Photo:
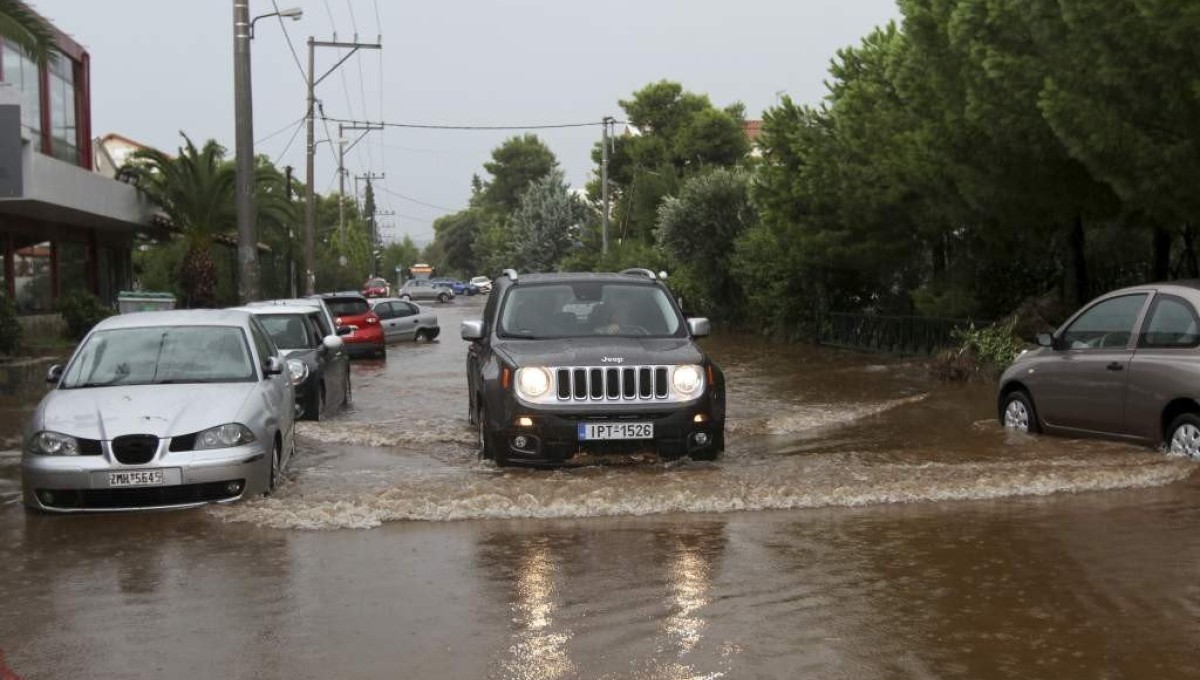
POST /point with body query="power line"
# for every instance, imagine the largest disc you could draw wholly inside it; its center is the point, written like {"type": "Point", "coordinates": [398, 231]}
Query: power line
{"type": "Point", "coordinates": [288, 37]}
{"type": "Point", "coordinates": [280, 131]}
{"type": "Point", "coordinates": [295, 134]}
{"type": "Point", "coordinates": [418, 201]}
{"type": "Point", "coordinates": [430, 126]}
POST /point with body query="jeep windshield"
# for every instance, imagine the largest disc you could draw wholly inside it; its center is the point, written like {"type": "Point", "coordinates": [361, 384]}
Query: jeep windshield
{"type": "Point", "coordinates": [589, 309]}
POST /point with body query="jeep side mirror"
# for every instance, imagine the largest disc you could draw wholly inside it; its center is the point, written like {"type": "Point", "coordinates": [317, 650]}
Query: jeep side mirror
{"type": "Point", "coordinates": [273, 366]}
{"type": "Point", "coordinates": [473, 330]}
{"type": "Point", "coordinates": [699, 327]}
{"type": "Point", "coordinates": [1045, 340]}
{"type": "Point", "coordinates": [54, 375]}
{"type": "Point", "coordinates": [332, 343]}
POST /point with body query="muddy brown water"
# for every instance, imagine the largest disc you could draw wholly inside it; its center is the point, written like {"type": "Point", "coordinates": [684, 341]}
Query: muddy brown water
{"type": "Point", "coordinates": [865, 522]}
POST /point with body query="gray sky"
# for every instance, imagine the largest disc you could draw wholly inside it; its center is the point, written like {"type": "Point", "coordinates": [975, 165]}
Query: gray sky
{"type": "Point", "coordinates": [162, 66]}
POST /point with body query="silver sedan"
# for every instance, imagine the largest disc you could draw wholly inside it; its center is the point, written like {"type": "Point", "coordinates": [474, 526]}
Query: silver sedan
{"type": "Point", "coordinates": [161, 410]}
{"type": "Point", "coordinates": [404, 320]}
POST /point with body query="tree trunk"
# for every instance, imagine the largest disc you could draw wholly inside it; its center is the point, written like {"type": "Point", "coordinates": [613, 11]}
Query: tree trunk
{"type": "Point", "coordinates": [198, 274]}
{"type": "Point", "coordinates": [1192, 267]}
{"type": "Point", "coordinates": [1075, 288]}
{"type": "Point", "coordinates": [1162, 253]}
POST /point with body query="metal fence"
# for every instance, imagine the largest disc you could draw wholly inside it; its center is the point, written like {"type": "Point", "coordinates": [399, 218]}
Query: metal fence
{"type": "Point", "coordinates": [908, 335]}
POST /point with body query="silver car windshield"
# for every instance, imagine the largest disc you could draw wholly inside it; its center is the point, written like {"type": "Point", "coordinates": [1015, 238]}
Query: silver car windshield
{"type": "Point", "coordinates": [589, 309]}
{"type": "Point", "coordinates": [161, 355]}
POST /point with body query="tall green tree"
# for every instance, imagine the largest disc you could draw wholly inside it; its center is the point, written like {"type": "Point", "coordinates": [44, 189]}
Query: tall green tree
{"type": "Point", "coordinates": [515, 164]}
{"type": "Point", "coordinates": [546, 224]}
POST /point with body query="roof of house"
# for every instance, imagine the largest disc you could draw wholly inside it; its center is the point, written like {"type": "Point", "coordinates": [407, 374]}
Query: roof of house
{"type": "Point", "coordinates": [752, 129]}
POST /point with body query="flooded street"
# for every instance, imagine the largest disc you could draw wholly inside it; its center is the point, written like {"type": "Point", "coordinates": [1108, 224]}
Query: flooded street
{"type": "Point", "coordinates": [864, 522]}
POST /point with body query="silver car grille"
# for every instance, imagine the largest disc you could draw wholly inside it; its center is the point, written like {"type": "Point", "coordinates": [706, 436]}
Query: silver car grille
{"type": "Point", "coordinates": [628, 384]}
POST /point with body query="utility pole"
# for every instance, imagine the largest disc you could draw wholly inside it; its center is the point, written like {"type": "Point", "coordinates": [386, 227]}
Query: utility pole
{"type": "Point", "coordinates": [310, 205]}
{"type": "Point", "coordinates": [247, 248]}
{"type": "Point", "coordinates": [342, 149]}
{"type": "Point", "coordinates": [604, 184]}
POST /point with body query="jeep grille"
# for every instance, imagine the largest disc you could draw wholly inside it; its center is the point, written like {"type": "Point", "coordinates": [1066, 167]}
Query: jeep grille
{"type": "Point", "coordinates": [611, 384]}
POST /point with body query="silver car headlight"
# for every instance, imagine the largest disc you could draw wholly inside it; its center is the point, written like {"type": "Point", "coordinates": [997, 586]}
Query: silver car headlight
{"type": "Point", "coordinates": [224, 436]}
{"type": "Point", "coordinates": [48, 443]}
{"type": "Point", "coordinates": [297, 371]}
{"type": "Point", "coordinates": [533, 382]}
{"type": "Point", "coordinates": [687, 379]}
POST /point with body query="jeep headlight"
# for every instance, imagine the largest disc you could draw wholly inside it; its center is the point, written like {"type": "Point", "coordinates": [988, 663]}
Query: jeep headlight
{"type": "Point", "coordinates": [48, 443]}
{"type": "Point", "coordinates": [224, 436]}
{"type": "Point", "coordinates": [533, 382]}
{"type": "Point", "coordinates": [687, 379]}
{"type": "Point", "coordinates": [297, 371]}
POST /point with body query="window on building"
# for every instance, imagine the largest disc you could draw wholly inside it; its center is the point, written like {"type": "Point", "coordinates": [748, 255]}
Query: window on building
{"type": "Point", "coordinates": [22, 73]}
{"type": "Point", "coordinates": [72, 267]}
{"type": "Point", "coordinates": [31, 275]}
{"type": "Point", "coordinates": [64, 139]}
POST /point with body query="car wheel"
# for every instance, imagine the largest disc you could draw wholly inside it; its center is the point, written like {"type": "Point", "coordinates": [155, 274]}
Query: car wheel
{"type": "Point", "coordinates": [488, 450]}
{"type": "Point", "coordinates": [1184, 436]}
{"type": "Point", "coordinates": [406, 297]}
{"type": "Point", "coordinates": [348, 395]}
{"type": "Point", "coordinates": [443, 298]}
{"type": "Point", "coordinates": [274, 472]}
{"type": "Point", "coordinates": [1017, 413]}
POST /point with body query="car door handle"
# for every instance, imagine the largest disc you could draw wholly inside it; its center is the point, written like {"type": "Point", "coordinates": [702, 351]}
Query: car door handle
{"type": "Point", "coordinates": [1116, 366]}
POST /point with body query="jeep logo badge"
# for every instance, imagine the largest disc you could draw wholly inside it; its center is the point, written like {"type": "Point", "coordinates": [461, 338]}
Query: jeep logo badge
{"type": "Point", "coordinates": [612, 360]}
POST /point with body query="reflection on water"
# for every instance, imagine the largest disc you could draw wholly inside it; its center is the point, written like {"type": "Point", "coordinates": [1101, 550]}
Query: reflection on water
{"type": "Point", "coordinates": [538, 651]}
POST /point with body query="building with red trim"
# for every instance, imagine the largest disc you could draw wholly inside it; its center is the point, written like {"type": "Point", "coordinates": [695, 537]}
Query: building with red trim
{"type": "Point", "coordinates": [63, 226]}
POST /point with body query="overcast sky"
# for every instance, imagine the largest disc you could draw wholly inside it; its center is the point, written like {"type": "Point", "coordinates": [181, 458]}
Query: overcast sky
{"type": "Point", "coordinates": [162, 66]}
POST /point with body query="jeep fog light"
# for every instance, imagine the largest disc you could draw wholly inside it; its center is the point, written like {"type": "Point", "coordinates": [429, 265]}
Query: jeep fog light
{"type": "Point", "coordinates": [533, 382]}
{"type": "Point", "coordinates": [524, 421]}
{"type": "Point", "coordinates": [687, 379]}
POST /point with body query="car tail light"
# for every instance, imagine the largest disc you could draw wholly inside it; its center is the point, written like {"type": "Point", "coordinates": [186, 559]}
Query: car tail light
{"type": "Point", "coordinates": [372, 319]}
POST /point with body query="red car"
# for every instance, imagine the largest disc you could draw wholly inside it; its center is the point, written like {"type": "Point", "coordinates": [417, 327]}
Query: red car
{"type": "Point", "coordinates": [351, 311]}
{"type": "Point", "coordinates": [376, 287]}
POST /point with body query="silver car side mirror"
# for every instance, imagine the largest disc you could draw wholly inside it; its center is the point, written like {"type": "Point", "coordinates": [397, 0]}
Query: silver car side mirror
{"type": "Point", "coordinates": [699, 327]}
{"type": "Point", "coordinates": [1045, 340]}
{"type": "Point", "coordinates": [472, 330]}
{"type": "Point", "coordinates": [332, 343]}
{"type": "Point", "coordinates": [273, 366]}
{"type": "Point", "coordinates": [54, 375]}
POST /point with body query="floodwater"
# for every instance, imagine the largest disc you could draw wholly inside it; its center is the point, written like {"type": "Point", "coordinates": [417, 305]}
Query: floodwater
{"type": "Point", "coordinates": [865, 522]}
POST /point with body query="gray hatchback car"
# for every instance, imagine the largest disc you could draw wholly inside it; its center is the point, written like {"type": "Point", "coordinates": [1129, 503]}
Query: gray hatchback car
{"type": "Point", "coordinates": [1126, 366]}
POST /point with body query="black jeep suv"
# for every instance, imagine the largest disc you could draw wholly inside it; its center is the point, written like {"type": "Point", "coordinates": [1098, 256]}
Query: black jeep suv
{"type": "Point", "coordinates": [563, 364]}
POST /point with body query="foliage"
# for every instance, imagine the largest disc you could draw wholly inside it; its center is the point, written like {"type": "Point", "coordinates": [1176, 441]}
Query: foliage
{"type": "Point", "coordinates": [27, 30]}
{"type": "Point", "coordinates": [546, 224]}
{"type": "Point", "coordinates": [81, 311]}
{"type": "Point", "coordinates": [698, 230]}
{"type": "Point", "coordinates": [10, 326]}
{"type": "Point", "coordinates": [982, 352]}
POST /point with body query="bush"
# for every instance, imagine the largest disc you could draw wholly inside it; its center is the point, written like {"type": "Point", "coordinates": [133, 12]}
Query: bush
{"type": "Point", "coordinates": [81, 311]}
{"type": "Point", "coordinates": [982, 352]}
{"type": "Point", "coordinates": [10, 327]}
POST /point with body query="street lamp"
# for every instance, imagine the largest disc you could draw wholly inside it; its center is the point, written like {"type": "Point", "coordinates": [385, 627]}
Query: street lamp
{"type": "Point", "coordinates": [293, 13]}
{"type": "Point", "coordinates": [243, 112]}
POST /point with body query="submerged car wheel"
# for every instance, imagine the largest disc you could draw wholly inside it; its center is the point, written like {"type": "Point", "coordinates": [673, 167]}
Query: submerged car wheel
{"type": "Point", "coordinates": [443, 298]}
{"type": "Point", "coordinates": [1018, 413]}
{"type": "Point", "coordinates": [318, 405]}
{"type": "Point", "coordinates": [348, 394]}
{"type": "Point", "coordinates": [274, 473]}
{"type": "Point", "coordinates": [1184, 438]}
{"type": "Point", "coordinates": [488, 450]}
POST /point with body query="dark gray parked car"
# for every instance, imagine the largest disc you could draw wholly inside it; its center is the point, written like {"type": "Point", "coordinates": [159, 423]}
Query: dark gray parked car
{"type": "Point", "coordinates": [1126, 366]}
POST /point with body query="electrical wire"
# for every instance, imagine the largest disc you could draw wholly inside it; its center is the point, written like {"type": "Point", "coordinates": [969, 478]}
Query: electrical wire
{"type": "Point", "coordinates": [295, 134]}
{"type": "Point", "coordinates": [287, 36]}
{"type": "Point", "coordinates": [280, 131]}
{"type": "Point", "coordinates": [418, 201]}
{"type": "Point", "coordinates": [431, 126]}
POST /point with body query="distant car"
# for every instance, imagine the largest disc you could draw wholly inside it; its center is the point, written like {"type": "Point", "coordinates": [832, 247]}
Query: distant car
{"type": "Point", "coordinates": [162, 410]}
{"type": "Point", "coordinates": [376, 287]}
{"type": "Point", "coordinates": [322, 380]}
{"type": "Point", "coordinates": [365, 336]}
{"type": "Point", "coordinates": [457, 286]}
{"type": "Point", "coordinates": [424, 289]}
{"type": "Point", "coordinates": [483, 283]}
{"type": "Point", "coordinates": [403, 320]}
{"type": "Point", "coordinates": [1126, 366]}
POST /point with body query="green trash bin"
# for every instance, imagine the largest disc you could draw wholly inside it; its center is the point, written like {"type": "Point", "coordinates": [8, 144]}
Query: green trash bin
{"type": "Point", "coordinates": [143, 301]}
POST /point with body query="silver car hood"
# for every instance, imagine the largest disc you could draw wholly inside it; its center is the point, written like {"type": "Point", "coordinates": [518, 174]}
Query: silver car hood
{"type": "Point", "coordinates": [160, 410]}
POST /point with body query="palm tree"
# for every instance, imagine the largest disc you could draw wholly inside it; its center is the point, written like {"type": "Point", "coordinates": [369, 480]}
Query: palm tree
{"type": "Point", "coordinates": [26, 29]}
{"type": "Point", "coordinates": [196, 191]}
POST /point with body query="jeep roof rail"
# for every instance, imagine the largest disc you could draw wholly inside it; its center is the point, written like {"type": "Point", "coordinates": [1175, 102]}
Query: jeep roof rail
{"type": "Point", "coordinates": [640, 271]}
{"type": "Point", "coordinates": [511, 273]}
